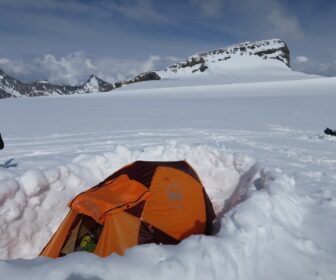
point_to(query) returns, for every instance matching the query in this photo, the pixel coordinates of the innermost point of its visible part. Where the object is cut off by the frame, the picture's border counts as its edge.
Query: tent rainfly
(144, 202)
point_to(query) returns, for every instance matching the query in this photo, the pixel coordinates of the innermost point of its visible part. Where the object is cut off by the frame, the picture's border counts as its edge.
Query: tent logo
(175, 197)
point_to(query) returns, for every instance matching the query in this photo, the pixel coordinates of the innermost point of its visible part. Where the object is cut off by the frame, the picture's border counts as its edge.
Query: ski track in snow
(290, 166)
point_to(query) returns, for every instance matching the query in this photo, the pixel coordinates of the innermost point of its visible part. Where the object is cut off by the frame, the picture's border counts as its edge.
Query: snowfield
(259, 141)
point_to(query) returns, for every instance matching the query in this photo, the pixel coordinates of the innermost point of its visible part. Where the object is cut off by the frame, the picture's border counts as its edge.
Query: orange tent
(144, 202)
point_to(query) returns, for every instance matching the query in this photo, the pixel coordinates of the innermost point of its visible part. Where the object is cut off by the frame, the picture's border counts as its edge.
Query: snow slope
(262, 140)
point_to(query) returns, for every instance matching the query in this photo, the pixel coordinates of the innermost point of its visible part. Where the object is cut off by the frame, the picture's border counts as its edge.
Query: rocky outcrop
(4, 94)
(146, 76)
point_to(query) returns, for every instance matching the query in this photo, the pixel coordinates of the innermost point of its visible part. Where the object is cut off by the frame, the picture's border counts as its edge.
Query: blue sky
(66, 40)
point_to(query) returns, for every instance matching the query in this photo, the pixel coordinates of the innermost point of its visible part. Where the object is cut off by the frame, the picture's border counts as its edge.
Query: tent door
(85, 226)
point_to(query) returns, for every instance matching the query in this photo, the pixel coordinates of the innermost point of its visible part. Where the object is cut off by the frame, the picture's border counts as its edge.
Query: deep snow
(264, 138)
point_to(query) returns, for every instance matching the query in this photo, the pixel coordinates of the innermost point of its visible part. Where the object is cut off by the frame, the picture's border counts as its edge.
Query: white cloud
(75, 68)
(150, 63)
(15, 67)
(67, 69)
(4, 60)
(301, 59)
(307, 65)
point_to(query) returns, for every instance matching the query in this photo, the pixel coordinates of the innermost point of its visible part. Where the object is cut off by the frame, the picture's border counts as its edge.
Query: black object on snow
(2, 145)
(329, 131)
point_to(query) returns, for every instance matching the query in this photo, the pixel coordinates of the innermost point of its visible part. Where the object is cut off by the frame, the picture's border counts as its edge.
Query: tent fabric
(119, 233)
(117, 195)
(175, 192)
(143, 202)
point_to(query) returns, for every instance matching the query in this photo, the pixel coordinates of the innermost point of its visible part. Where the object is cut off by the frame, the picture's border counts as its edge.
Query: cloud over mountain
(310, 66)
(74, 68)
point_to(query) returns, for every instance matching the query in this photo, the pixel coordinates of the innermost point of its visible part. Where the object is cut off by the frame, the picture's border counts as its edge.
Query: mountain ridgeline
(268, 49)
(11, 87)
(274, 49)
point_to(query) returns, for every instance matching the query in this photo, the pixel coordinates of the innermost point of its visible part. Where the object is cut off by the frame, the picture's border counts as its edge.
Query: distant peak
(266, 50)
(92, 77)
(95, 79)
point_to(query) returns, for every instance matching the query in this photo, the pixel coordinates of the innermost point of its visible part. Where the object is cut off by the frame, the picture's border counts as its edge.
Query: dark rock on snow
(329, 131)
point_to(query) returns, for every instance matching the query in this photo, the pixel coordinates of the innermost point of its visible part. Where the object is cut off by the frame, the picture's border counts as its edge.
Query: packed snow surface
(262, 140)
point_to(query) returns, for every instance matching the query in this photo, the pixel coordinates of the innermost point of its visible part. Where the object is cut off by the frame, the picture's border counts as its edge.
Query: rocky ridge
(274, 49)
(11, 87)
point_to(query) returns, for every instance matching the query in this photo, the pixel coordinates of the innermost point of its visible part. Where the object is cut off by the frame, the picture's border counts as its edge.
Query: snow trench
(259, 221)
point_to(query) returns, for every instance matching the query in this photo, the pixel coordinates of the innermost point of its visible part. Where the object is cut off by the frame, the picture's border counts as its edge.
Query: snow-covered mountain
(234, 60)
(94, 84)
(242, 56)
(11, 87)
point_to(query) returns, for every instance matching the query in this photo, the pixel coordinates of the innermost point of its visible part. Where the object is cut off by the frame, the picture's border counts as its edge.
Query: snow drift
(27, 201)
(266, 226)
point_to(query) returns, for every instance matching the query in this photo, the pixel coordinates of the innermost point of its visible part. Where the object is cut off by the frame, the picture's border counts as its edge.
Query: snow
(91, 85)
(259, 143)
